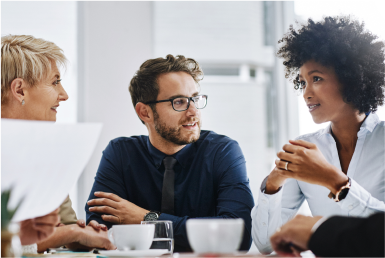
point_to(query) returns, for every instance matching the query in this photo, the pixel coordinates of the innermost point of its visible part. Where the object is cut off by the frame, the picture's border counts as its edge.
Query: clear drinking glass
(163, 236)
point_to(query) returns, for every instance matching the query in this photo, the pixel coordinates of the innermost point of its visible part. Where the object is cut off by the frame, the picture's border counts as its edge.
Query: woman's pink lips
(314, 108)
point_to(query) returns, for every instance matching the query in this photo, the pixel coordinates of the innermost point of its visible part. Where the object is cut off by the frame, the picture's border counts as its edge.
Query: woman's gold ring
(286, 165)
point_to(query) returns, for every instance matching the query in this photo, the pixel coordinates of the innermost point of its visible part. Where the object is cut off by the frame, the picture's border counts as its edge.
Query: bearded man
(177, 172)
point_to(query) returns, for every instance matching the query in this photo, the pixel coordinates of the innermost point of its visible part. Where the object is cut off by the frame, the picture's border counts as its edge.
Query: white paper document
(42, 161)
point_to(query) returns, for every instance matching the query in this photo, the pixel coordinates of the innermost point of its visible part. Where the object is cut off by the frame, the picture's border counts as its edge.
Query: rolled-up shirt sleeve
(359, 202)
(274, 210)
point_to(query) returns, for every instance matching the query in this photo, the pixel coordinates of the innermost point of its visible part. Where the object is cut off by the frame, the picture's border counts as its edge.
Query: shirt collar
(368, 125)
(370, 122)
(181, 156)
(184, 155)
(326, 130)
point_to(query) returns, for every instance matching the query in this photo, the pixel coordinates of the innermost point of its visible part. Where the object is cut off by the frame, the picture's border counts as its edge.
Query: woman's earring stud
(22, 102)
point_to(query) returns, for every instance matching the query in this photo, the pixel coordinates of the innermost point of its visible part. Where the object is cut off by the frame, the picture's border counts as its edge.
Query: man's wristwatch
(342, 193)
(152, 216)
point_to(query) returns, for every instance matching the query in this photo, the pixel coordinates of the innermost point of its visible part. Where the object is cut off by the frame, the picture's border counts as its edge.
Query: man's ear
(144, 112)
(17, 89)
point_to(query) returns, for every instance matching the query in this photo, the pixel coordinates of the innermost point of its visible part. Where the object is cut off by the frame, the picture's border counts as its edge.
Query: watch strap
(341, 193)
(157, 212)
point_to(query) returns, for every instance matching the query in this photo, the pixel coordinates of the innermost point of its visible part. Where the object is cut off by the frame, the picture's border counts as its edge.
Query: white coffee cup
(215, 235)
(131, 237)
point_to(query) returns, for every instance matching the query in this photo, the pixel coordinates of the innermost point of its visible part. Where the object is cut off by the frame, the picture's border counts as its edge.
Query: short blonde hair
(28, 58)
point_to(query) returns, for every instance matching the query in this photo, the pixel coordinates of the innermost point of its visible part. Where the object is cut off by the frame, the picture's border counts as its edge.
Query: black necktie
(168, 186)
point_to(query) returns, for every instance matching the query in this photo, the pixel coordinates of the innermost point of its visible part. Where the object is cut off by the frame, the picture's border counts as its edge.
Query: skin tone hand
(307, 164)
(68, 235)
(77, 238)
(38, 229)
(293, 237)
(116, 210)
(93, 223)
(89, 238)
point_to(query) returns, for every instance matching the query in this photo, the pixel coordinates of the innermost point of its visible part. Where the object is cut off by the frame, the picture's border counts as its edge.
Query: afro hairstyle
(342, 43)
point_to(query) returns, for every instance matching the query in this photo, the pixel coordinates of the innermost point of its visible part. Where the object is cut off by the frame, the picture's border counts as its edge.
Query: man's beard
(173, 134)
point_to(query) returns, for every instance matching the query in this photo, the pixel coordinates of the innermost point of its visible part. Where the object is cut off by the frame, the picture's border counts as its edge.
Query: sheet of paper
(42, 161)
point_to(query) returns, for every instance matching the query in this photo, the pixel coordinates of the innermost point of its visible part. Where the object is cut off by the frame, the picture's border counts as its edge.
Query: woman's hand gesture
(303, 161)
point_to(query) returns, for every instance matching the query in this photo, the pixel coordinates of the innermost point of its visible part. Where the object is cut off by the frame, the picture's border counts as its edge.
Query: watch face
(151, 216)
(343, 193)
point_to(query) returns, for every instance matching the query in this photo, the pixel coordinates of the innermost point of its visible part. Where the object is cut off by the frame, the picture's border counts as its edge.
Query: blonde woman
(31, 89)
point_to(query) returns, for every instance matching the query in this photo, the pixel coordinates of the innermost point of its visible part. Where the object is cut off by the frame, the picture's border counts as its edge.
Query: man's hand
(307, 164)
(38, 229)
(293, 237)
(116, 210)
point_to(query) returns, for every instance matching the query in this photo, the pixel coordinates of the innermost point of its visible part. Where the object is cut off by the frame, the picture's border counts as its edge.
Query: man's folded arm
(350, 236)
(108, 179)
(234, 197)
(99, 186)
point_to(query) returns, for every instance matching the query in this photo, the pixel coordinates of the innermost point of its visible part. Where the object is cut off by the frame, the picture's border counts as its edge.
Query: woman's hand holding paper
(38, 229)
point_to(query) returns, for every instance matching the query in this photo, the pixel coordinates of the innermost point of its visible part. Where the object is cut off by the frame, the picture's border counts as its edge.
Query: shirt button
(263, 223)
(350, 207)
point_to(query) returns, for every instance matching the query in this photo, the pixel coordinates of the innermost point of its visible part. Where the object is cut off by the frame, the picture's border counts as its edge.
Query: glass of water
(163, 236)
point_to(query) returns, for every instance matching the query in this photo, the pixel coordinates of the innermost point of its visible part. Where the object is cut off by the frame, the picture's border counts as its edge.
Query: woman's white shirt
(366, 195)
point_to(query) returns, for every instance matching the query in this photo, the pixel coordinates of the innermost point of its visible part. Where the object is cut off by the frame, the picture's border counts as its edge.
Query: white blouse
(366, 195)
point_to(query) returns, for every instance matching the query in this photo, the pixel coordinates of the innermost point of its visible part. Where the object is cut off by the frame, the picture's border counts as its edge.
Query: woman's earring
(23, 102)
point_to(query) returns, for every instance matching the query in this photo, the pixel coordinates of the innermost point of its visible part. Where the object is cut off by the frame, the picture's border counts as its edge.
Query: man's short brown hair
(144, 87)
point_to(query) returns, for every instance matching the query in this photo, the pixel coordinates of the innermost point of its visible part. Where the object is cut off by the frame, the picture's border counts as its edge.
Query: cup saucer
(131, 253)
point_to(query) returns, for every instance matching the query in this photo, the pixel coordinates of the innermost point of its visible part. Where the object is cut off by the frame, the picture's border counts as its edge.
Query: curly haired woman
(340, 170)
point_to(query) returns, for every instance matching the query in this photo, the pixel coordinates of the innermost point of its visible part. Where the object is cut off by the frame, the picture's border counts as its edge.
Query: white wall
(52, 21)
(224, 31)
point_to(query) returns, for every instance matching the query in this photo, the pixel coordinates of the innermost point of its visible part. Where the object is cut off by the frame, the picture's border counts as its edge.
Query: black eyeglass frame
(172, 102)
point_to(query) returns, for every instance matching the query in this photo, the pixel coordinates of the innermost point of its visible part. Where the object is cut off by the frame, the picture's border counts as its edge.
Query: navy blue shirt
(210, 181)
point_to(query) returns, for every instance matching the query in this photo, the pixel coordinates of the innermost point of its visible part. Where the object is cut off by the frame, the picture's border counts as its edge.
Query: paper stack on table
(41, 162)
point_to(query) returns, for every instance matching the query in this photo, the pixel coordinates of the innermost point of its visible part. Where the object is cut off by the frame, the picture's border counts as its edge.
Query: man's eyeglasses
(183, 103)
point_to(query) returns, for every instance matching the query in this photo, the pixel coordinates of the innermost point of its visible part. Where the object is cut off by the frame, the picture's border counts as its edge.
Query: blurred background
(235, 42)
